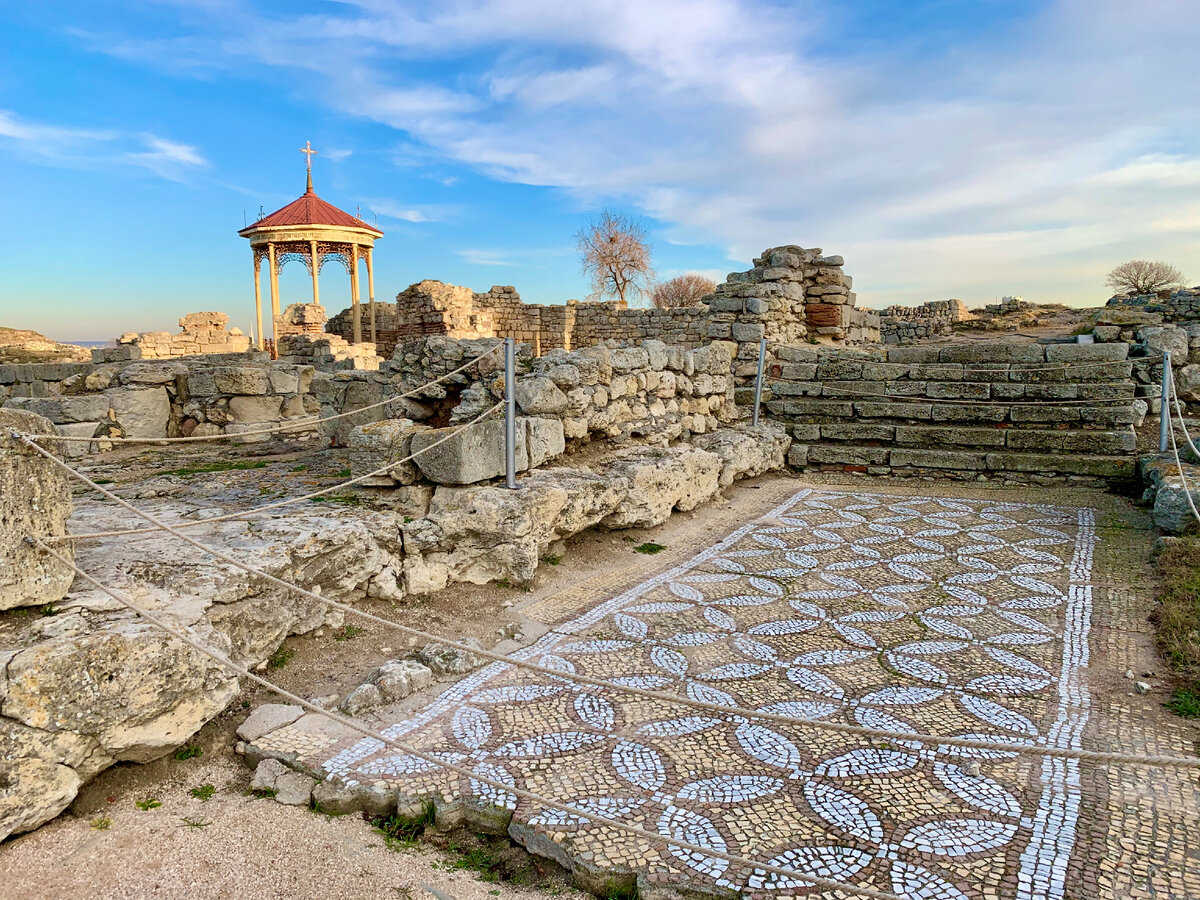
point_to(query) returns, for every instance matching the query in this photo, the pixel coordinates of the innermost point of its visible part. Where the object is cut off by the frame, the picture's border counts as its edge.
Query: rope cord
(1174, 394)
(293, 426)
(838, 727)
(259, 510)
(547, 802)
(1187, 490)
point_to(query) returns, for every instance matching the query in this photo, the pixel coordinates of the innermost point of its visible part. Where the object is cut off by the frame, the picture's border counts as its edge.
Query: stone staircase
(1008, 411)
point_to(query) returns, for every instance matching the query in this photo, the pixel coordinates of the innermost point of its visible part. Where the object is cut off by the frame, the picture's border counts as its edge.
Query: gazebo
(311, 231)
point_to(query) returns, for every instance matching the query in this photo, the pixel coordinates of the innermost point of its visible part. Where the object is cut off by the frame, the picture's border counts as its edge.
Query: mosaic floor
(951, 617)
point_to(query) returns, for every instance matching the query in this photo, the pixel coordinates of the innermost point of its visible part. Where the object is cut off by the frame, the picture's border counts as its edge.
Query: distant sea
(108, 343)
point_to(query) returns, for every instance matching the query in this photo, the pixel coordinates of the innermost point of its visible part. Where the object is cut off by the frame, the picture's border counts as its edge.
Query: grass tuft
(649, 548)
(148, 803)
(1177, 620)
(205, 792)
(189, 751)
(102, 824)
(347, 632)
(401, 832)
(280, 658)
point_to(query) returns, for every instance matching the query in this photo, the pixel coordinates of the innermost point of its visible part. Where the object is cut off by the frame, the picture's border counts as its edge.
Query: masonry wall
(201, 332)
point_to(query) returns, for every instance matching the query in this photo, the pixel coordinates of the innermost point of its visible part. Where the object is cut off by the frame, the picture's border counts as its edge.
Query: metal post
(758, 381)
(1165, 413)
(510, 413)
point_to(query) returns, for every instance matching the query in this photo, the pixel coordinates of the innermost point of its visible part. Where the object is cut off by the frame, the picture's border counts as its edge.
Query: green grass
(649, 548)
(263, 793)
(196, 823)
(205, 792)
(1186, 703)
(1083, 329)
(280, 658)
(301, 468)
(102, 824)
(347, 632)
(103, 481)
(340, 473)
(219, 466)
(552, 560)
(148, 803)
(1177, 621)
(402, 832)
(48, 610)
(189, 751)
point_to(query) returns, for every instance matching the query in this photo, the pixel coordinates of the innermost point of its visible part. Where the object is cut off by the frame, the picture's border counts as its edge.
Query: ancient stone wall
(934, 318)
(1173, 306)
(201, 332)
(168, 398)
(986, 410)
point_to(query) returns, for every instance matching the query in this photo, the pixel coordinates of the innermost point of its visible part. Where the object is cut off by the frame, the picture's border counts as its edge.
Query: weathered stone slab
(1062, 463)
(1078, 353)
(141, 412)
(35, 498)
(475, 454)
(841, 455)
(885, 410)
(939, 459)
(949, 436)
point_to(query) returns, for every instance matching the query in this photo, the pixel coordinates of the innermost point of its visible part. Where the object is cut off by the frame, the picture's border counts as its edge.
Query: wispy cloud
(486, 258)
(88, 148)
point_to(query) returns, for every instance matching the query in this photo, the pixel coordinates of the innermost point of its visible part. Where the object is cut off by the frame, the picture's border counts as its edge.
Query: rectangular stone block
(806, 433)
(974, 412)
(796, 388)
(939, 459)
(855, 431)
(1045, 413)
(799, 371)
(912, 354)
(1063, 463)
(797, 456)
(957, 390)
(1068, 353)
(1114, 442)
(949, 436)
(831, 408)
(1051, 391)
(824, 454)
(475, 454)
(1034, 439)
(947, 372)
(884, 410)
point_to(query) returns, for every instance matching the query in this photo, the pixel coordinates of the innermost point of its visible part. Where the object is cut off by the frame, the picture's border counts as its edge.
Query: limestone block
(746, 452)
(1158, 339)
(538, 395)
(267, 718)
(77, 449)
(1076, 353)
(629, 359)
(544, 439)
(63, 410)
(656, 352)
(475, 454)
(141, 412)
(241, 380)
(244, 410)
(35, 498)
(152, 373)
(377, 444)
(286, 787)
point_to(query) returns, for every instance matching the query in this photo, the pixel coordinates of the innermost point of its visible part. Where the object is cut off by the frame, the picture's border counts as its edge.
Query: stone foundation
(202, 332)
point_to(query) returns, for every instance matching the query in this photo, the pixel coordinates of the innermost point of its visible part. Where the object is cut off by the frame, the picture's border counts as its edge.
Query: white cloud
(1025, 159)
(88, 148)
(485, 258)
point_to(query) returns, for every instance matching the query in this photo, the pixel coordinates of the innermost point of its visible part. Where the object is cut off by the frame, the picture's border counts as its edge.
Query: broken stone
(267, 718)
(287, 787)
(443, 660)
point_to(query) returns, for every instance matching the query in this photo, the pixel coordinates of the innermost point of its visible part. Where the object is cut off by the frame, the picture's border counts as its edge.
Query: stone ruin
(202, 332)
(662, 424)
(934, 318)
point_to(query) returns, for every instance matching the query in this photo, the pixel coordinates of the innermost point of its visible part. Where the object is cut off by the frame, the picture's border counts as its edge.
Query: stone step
(950, 390)
(822, 409)
(1076, 440)
(884, 459)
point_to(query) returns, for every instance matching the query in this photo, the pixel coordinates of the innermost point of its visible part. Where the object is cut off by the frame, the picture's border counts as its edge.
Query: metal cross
(309, 152)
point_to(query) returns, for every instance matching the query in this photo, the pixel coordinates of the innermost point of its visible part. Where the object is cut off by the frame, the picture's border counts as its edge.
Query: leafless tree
(616, 256)
(682, 290)
(1143, 276)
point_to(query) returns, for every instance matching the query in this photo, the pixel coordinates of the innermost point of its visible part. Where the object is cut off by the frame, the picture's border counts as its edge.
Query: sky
(945, 148)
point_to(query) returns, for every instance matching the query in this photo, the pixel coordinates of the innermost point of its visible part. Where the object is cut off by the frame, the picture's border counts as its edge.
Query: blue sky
(968, 148)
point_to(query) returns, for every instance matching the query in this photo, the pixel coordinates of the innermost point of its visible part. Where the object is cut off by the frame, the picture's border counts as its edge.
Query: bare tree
(682, 290)
(1143, 276)
(616, 256)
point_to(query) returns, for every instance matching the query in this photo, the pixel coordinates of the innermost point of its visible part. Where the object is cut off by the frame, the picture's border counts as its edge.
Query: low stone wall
(1172, 306)
(204, 396)
(202, 332)
(935, 318)
(1014, 412)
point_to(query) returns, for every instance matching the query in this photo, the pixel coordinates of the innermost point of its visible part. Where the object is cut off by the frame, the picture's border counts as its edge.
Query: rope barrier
(1187, 490)
(292, 426)
(838, 727)
(530, 796)
(259, 510)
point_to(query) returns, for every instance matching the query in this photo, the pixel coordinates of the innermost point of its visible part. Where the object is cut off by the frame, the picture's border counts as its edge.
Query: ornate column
(316, 270)
(354, 307)
(371, 290)
(257, 300)
(274, 288)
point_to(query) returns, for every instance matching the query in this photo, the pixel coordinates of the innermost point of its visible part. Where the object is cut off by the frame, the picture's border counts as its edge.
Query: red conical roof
(310, 209)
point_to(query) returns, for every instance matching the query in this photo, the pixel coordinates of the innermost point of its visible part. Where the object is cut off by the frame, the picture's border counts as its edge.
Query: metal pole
(758, 381)
(1165, 412)
(510, 413)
